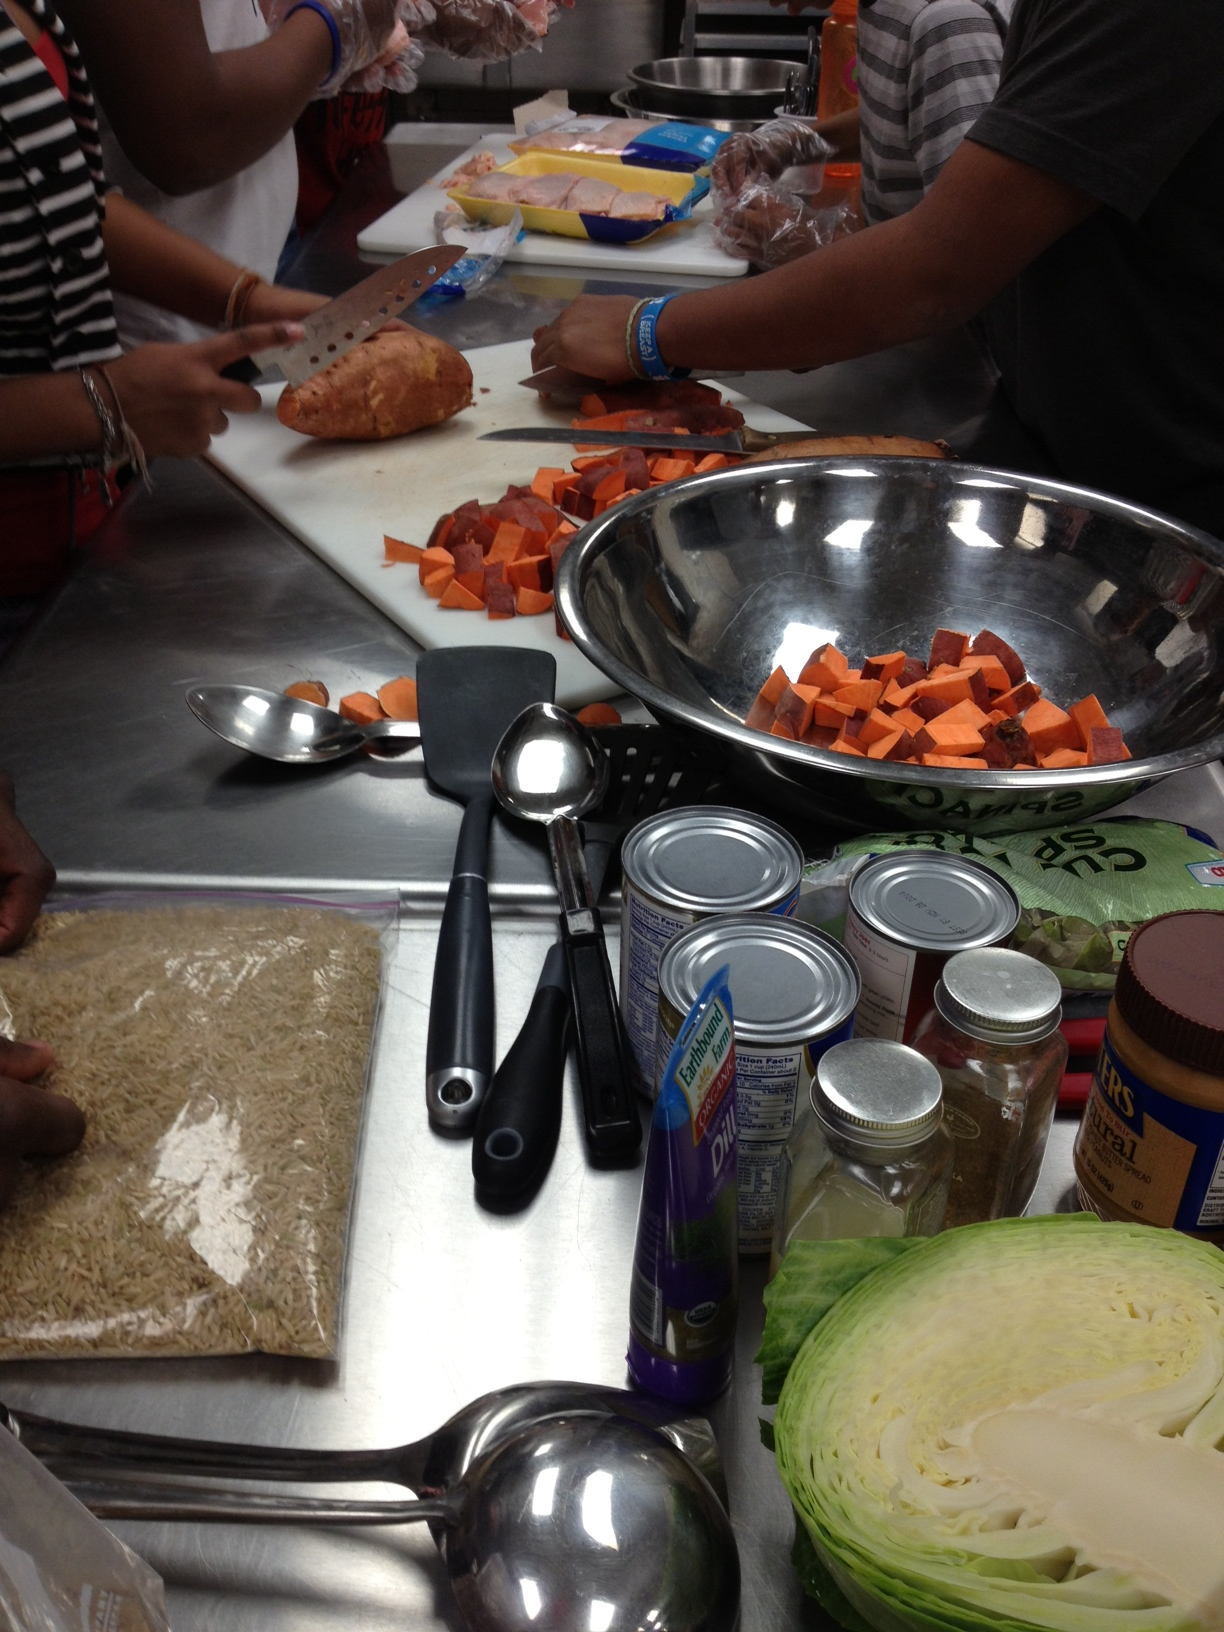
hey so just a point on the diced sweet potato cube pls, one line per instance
(1005, 742)
(712, 461)
(1087, 714)
(962, 762)
(779, 728)
(773, 688)
(794, 708)
(913, 671)
(969, 713)
(899, 696)
(825, 668)
(885, 668)
(828, 711)
(543, 480)
(862, 695)
(908, 720)
(1050, 727)
(1018, 698)
(435, 560)
(882, 746)
(978, 689)
(468, 557)
(902, 749)
(820, 736)
(441, 529)
(929, 708)
(760, 716)
(440, 581)
(473, 582)
(361, 708)
(843, 745)
(956, 687)
(987, 644)
(395, 549)
(527, 602)
(499, 597)
(1063, 759)
(876, 726)
(991, 670)
(1105, 746)
(456, 597)
(947, 646)
(531, 572)
(938, 738)
(852, 726)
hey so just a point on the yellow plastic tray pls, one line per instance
(680, 189)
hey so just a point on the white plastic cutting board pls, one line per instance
(686, 248)
(340, 498)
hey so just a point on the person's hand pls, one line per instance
(480, 30)
(33, 1120)
(394, 69)
(364, 26)
(763, 154)
(174, 397)
(772, 229)
(588, 337)
(25, 873)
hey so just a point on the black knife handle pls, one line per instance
(520, 1119)
(459, 1049)
(612, 1126)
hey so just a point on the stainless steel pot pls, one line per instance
(712, 87)
(629, 102)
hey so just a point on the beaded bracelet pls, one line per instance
(337, 49)
(630, 348)
(647, 346)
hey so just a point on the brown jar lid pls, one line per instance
(1171, 988)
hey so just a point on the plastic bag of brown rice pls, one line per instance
(219, 1049)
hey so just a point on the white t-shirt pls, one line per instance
(246, 219)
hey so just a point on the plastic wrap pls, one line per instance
(60, 1570)
(487, 250)
(219, 1047)
(766, 182)
(484, 30)
(661, 144)
(396, 69)
(365, 28)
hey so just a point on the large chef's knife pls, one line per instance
(743, 440)
(358, 313)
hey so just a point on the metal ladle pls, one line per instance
(572, 1521)
(287, 729)
(548, 768)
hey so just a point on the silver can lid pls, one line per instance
(710, 858)
(790, 983)
(934, 902)
(877, 1092)
(999, 996)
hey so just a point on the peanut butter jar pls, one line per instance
(1151, 1144)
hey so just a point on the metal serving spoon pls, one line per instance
(572, 1521)
(549, 769)
(283, 728)
(428, 1466)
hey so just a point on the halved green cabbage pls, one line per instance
(1016, 1424)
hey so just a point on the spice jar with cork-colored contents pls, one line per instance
(1151, 1144)
(993, 1037)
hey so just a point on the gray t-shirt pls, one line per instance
(1111, 343)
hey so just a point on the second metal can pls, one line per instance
(793, 995)
(680, 867)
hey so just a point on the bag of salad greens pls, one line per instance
(1082, 888)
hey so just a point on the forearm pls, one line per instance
(42, 414)
(153, 262)
(841, 131)
(185, 117)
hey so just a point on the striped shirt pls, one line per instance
(55, 298)
(926, 70)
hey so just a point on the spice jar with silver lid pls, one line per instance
(869, 1156)
(993, 1037)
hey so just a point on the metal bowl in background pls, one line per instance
(712, 87)
(689, 596)
(628, 101)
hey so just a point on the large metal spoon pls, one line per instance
(549, 769)
(283, 728)
(429, 1466)
(574, 1521)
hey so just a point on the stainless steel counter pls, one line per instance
(443, 1301)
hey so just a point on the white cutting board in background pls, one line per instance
(340, 498)
(685, 248)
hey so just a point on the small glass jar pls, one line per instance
(993, 1037)
(868, 1155)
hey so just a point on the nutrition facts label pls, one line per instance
(650, 930)
(1211, 1213)
(759, 1166)
(768, 1083)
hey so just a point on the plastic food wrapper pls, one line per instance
(483, 30)
(487, 250)
(655, 144)
(365, 28)
(219, 1047)
(1083, 889)
(60, 1570)
(672, 194)
(396, 69)
(685, 1289)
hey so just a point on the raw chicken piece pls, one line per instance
(480, 164)
(505, 189)
(536, 13)
(638, 207)
(547, 192)
(592, 196)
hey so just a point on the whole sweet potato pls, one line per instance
(397, 382)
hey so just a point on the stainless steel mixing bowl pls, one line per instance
(688, 596)
(712, 87)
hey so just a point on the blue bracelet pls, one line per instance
(321, 10)
(648, 350)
